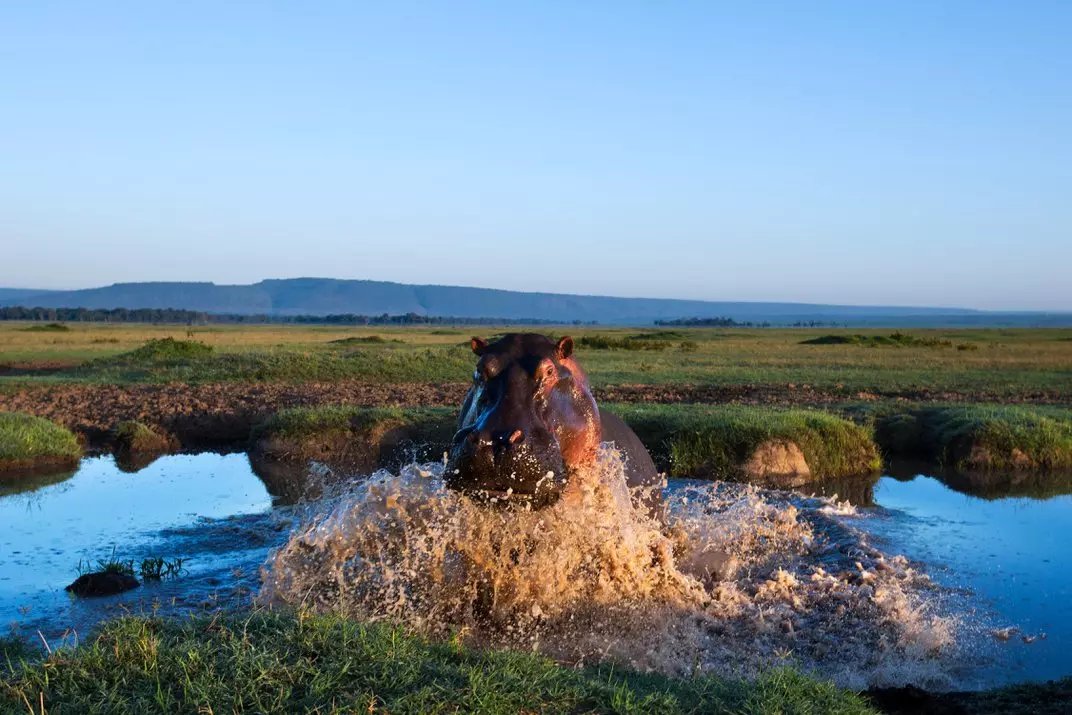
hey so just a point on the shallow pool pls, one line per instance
(48, 525)
(1003, 563)
(1011, 556)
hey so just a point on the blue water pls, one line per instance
(1002, 563)
(46, 529)
(1013, 557)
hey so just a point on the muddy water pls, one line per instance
(911, 586)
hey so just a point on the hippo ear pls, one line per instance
(564, 348)
(479, 345)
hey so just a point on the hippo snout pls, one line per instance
(506, 466)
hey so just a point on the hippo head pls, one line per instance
(528, 422)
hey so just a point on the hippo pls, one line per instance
(530, 422)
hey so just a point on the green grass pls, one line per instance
(27, 441)
(1020, 363)
(360, 437)
(282, 663)
(980, 436)
(151, 569)
(375, 365)
(134, 436)
(168, 349)
(896, 339)
(47, 328)
(713, 440)
(302, 422)
(686, 440)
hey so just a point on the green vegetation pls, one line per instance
(283, 663)
(47, 328)
(168, 349)
(986, 437)
(690, 440)
(605, 342)
(151, 569)
(432, 364)
(27, 442)
(158, 569)
(898, 339)
(133, 436)
(1026, 364)
(108, 565)
(362, 437)
(365, 340)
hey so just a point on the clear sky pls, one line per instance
(911, 153)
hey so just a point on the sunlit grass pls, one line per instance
(26, 440)
(283, 663)
(1002, 362)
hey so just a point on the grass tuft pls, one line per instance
(27, 441)
(689, 440)
(133, 436)
(282, 663)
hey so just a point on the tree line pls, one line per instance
(194, 317)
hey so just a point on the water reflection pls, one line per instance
(49, 524)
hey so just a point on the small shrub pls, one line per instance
(164, 349)
(133, 436)
(604, 342)
(48, 328)
(364, 340)
(898, 339)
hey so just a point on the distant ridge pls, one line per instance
(322, 296)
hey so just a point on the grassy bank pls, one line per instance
(363, 438)
(1002, 363)
(980, 437)
(692, 440)
(271, 663)
(28, 442)
(687, 440)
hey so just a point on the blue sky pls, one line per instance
(845, 152)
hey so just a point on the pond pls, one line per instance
(209, 509)
(1002, 563)
(1010, 555)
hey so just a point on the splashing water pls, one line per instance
(591, 579)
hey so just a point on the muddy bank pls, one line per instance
(211, 414)
(223, 413)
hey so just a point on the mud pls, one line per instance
(206, 415)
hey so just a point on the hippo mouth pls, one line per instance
(522, 478)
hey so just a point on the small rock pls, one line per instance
(780, 459)
(102, 583)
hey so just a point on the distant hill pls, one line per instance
(17, 294)
(322, 296)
